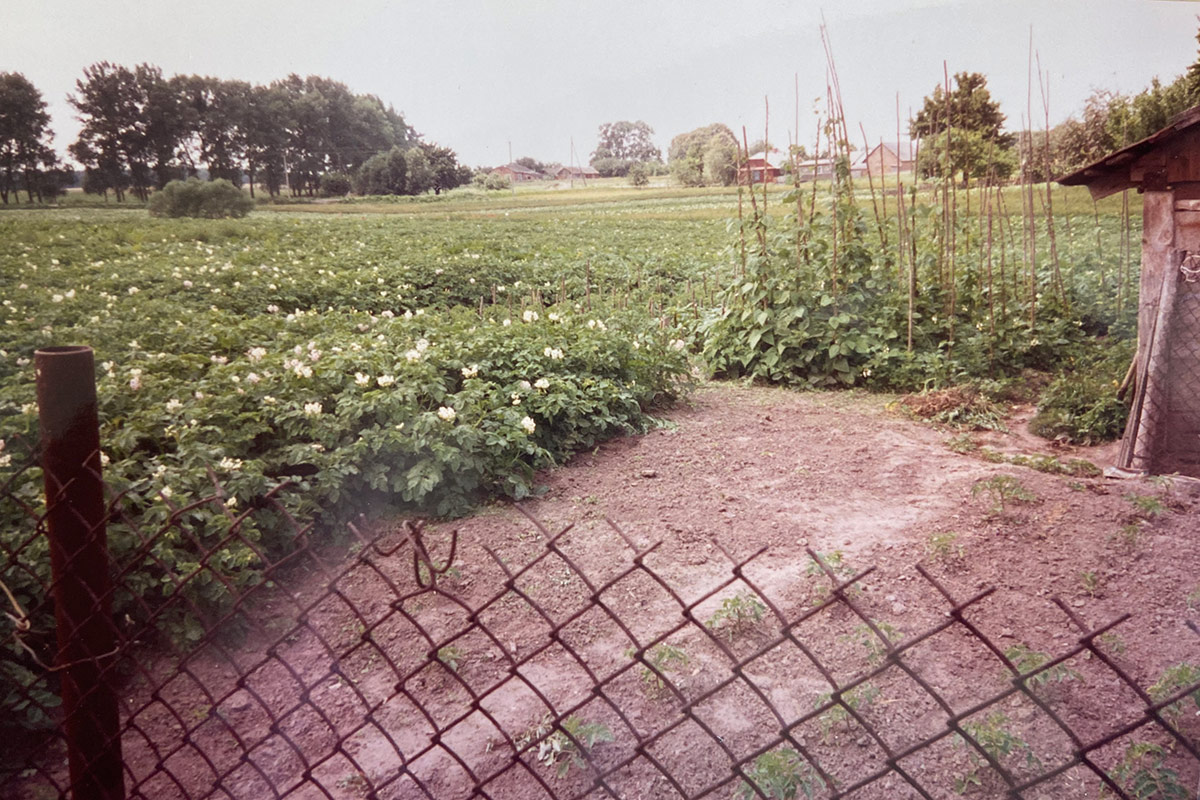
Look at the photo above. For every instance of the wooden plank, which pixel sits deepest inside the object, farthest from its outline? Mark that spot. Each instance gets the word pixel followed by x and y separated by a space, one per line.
pixel 1158 242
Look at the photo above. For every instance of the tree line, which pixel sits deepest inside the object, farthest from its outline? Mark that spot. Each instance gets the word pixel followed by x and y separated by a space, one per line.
pixel 142 129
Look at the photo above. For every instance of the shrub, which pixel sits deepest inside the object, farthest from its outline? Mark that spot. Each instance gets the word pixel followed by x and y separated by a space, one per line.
pixel 638 175
pixel 1082 406
pixel 495 181
pixel 197 198
pixel 335 184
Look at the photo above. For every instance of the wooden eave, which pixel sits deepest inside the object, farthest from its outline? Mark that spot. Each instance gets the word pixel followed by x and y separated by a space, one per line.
pixel 1165 156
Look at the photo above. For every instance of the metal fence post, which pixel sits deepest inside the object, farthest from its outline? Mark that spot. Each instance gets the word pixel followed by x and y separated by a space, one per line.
pixel 70 434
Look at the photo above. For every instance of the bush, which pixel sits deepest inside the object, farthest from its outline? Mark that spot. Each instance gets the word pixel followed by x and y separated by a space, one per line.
pixel 638 175
pixel 335 184
pixel 1082 406
pixel 197 198
pixel 496 181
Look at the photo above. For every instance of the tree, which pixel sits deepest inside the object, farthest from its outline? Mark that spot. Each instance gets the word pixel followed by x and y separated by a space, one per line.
pixel 969 113
pixel 706 155
pixel 621 144
pixel 26 157
pixel 420 178
pixel 111 142
pixel 638 175
pixel 447 172
pixel 383 173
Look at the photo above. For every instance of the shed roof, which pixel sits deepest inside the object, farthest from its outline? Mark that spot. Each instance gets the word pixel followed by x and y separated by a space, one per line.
pixel 1119 170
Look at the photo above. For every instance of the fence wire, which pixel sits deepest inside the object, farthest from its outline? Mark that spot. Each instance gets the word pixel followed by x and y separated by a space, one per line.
pixel 394 668
pixel 1163 434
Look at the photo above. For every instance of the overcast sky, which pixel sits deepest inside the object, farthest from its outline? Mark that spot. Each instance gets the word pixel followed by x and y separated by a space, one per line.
pixel 478 75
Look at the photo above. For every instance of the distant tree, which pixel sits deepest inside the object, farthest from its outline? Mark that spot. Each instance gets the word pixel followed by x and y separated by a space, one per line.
pixel 447 172
pixel 705 156
pixel 613 167
pixel 266 121
pixel 531 163
pixel 221 110
pixel 383 173
pixel 420 177
pixel 335 184
pixel 167 123
pixel 970 114
pixel 638 175
pixel 625 141
pixel 26 157
pixel 111 142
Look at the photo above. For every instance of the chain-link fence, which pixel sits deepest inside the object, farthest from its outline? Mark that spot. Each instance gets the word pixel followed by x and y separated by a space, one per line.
pixel 1163 434
pixel 407 664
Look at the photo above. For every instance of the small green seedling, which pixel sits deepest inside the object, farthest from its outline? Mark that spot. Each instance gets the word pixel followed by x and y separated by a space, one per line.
pixel 780 775
pixel 1026 660
pixel 1193 599
pixel 736 615
pixel 1146 506
pixel 861 697
pixel 944 546
pixel 663 657
pixel 1171 681
pixel 560 753
pixel 993 735
pixel 451 657
pixel 1129 536
pixel 875 649
pixel 1142 774
pixel 1003 490
pixel 1090 582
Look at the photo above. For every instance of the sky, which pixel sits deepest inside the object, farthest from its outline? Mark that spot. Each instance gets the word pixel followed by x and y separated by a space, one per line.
pixel 538 75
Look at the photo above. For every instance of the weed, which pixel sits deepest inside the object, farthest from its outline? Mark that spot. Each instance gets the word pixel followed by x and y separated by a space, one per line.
pixel 943 546
pixel 356 783
pixel 1143 775
pixel 1129 536
pixel 780 774
pixel 1171 681
pixel 1113 642
pixel 1146 506
pixel 662 657
pixel 861 697
pixel 962 444
pixel 451 657
pixel 1026 660
pixel 1193 599
pixel 994 456
pixel 737 614
pixel 1003 490
pixel 559 752
pixel 1090 582
pixel 997 740
pixel 876 651
pixel 834 560
pixel 836 563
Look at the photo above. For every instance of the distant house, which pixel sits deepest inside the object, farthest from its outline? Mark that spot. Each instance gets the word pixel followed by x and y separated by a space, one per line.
pixel 809 169
pixel 570 173
pixel 518 173
pixel 757 169
pixel 886 159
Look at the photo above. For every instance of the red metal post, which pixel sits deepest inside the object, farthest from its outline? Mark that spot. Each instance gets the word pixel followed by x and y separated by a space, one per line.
pixel 82 589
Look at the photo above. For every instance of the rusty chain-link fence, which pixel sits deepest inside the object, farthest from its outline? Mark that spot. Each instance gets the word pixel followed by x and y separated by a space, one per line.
pixel 410 664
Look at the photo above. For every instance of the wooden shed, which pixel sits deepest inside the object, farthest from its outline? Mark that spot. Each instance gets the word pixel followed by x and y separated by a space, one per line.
pixel 1163 432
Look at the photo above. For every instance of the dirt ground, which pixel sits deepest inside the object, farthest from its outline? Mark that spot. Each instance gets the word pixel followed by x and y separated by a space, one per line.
pixel 354 680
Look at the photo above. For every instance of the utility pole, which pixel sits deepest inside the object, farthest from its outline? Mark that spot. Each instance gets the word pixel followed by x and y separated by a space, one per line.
pixel 512 185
